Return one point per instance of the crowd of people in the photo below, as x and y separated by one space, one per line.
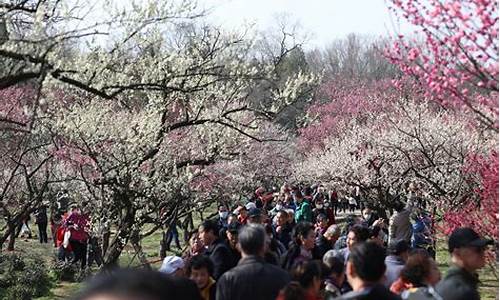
290 245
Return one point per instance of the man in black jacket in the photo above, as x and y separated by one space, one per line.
467 256
217 250
252 278
365 269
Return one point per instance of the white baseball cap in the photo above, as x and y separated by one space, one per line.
171 264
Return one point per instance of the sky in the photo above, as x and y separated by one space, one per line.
323 20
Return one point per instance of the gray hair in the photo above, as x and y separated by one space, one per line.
333 253
252 239
332 230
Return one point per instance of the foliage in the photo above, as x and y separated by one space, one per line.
23 277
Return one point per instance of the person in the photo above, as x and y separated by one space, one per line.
223 215
334 200
352 203
254 216
418 277
283 229
336 283
173 265
310 276
397 254
128 284
171 235
216 249
399 223
369 217
252 278
467 250
242 214
357 233
195 247
421 232
200 271
326 241
303 213
42 221
365 269
77 223
232 243
321 224
302 246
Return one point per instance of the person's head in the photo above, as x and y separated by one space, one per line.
308 191
297 196
252 240
375 236
332 234
399 248
243 212
357 233
281 218
223 213
208 231
173 265
232 234
292 291
336 265
310 275
304 235
128 284
367 213
319 203
366 264
322 220
231 219
398 204
420 270
291 215
467 249
195 243
75 209
200 269
255 216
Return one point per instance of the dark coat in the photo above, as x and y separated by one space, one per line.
458 284
251 279
285 235
376 292
221 256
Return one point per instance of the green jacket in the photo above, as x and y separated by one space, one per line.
303 212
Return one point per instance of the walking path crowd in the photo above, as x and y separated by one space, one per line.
288 246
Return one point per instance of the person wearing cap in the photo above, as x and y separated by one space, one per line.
216 249
232 242
467 249
397 255
303 213
254 216
173 265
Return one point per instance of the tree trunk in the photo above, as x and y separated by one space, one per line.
121 239
135 240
